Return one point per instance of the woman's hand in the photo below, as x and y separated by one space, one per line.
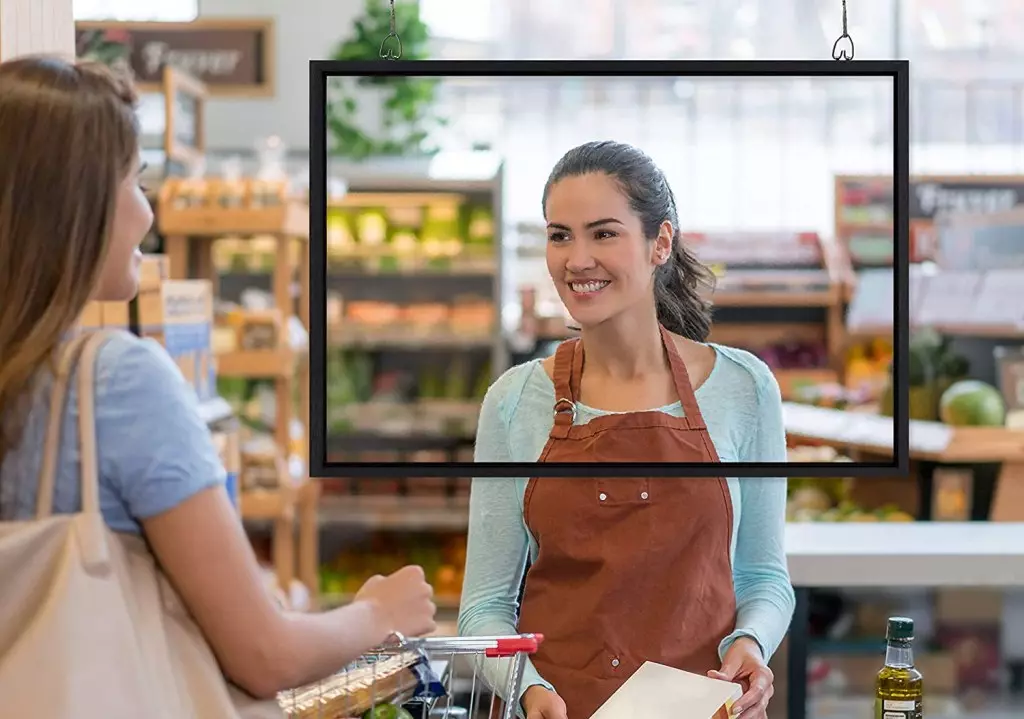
541 703
744 664
402 602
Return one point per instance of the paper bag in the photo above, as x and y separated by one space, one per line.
659 692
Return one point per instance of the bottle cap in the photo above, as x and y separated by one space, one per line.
900 629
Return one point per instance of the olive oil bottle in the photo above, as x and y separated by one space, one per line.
899 687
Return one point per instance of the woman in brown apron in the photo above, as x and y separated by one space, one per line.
636 569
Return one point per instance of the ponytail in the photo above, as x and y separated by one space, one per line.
679 293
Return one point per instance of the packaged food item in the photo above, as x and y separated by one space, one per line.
179 315
228 444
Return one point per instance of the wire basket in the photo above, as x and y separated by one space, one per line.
430 678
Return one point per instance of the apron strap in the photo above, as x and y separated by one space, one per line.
684 388
567 386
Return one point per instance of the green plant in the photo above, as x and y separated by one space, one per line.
407 103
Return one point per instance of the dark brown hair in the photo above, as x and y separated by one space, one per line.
68 137
678 283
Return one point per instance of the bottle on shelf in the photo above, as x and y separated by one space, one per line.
899 687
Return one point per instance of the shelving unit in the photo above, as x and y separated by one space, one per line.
414 280
190 223
779 295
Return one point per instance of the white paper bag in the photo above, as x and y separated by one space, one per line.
656 691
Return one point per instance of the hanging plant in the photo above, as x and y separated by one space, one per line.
405 115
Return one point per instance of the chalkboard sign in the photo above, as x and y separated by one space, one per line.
935 198
184 102
981 241
233 57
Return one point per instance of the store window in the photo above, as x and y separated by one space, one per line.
137 10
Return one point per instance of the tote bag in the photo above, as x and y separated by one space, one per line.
90 628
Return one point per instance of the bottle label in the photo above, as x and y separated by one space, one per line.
900 709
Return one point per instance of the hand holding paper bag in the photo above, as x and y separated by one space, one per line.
656 691
744 663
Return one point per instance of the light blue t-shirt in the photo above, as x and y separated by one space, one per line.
154 449
742 407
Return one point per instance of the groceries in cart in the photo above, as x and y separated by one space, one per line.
420 679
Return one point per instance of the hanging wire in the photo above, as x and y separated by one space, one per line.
843 47
391 47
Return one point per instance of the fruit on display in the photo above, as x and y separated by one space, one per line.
971 403
934 367
867 366
442 556
827 499
387 711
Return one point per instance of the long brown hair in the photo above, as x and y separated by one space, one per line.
68 136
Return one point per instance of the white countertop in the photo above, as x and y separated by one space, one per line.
911 554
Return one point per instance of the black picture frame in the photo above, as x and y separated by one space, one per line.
321 70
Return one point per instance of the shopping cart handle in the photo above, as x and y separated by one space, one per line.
507 647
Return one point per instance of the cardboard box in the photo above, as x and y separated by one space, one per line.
656 691
155 270
99 315
179 315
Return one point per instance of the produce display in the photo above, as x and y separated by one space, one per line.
827 499
440 397
793 355
970 403
442 556
467 317
437 233
934 367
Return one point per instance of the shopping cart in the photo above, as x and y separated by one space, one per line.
426 677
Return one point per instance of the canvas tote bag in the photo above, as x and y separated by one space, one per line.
90 628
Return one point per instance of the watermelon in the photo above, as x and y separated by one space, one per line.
387 711
971 403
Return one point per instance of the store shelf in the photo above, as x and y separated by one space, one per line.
914 554
399 512
874 434
289 220
258 363
266 504
774 299
407 339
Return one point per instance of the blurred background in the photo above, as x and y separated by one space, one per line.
437 280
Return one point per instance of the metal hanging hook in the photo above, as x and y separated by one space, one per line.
843 47
391 47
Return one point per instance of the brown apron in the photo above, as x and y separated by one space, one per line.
631 569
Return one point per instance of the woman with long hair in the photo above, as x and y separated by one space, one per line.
685 572
72 217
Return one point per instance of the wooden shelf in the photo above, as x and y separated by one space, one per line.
289 220
396 199
257 364
929 441
267 504
774 299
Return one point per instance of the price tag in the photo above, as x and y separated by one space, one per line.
872 304
870 431
949 299
1000 299
931 437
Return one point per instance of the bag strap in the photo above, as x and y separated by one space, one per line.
69 354
89 463
80 351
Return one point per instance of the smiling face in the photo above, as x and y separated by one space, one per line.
133 217
597 255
